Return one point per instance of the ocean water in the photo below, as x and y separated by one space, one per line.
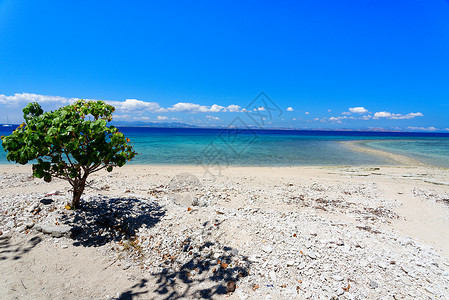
218 147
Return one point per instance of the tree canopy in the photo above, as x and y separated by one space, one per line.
69 143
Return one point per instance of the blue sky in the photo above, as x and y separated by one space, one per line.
335 64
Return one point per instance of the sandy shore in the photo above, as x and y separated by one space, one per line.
392 157
287 232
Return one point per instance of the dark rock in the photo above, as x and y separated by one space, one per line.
230 286
46 201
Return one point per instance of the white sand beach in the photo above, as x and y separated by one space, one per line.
173 232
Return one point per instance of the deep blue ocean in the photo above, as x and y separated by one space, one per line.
249 147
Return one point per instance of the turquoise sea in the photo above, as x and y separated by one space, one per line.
250 147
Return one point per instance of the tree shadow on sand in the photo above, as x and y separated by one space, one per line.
202 276
133 292
103 219
15 251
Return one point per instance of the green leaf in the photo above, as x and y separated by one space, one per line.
51 137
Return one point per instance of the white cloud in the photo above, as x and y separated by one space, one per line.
366 117
26 97
162 118
335 119
346 113
423 128
388 115
217 108
233 108
212 118
188 107
294 119
130 105
358 110
329 110
307 113
382 114
261 108
196 108
289 108
407 116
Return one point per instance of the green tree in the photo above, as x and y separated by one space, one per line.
69 143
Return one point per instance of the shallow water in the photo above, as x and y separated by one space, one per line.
432 151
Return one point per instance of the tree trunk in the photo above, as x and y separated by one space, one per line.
78 190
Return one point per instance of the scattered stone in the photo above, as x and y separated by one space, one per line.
33 207
267 249
29 224
382 264
272 275
22 228
54 230
230 286
46 201
253 258
373 285
37 210
406 281
290 263
312 254
337 278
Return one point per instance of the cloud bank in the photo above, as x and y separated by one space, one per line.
127 106
346 115
388 115
138 110
27 97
